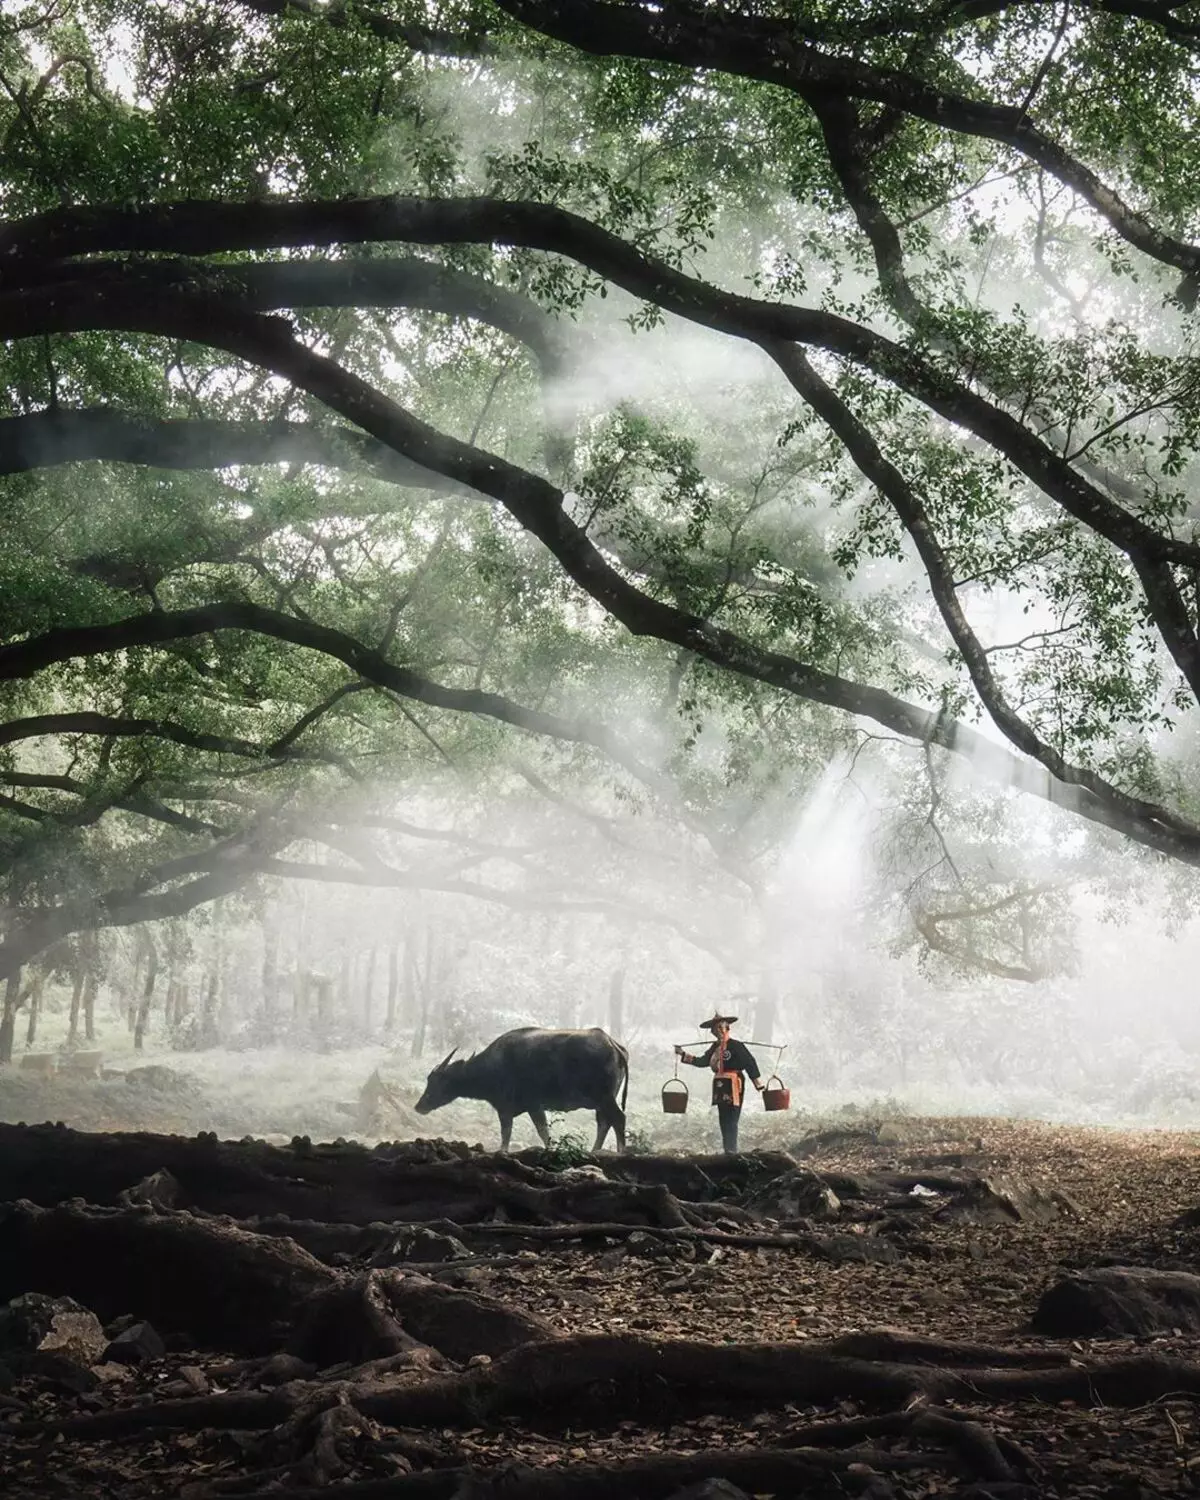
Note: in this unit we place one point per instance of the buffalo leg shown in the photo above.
(610, 1116)
(506, 1125)
(538, 1120)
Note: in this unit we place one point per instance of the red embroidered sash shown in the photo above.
(727, 1086)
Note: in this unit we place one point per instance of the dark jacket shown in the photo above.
(738, 1058)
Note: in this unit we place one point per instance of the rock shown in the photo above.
(109, 1374)
(281, 1368)
(35, 1327)
(135, 1346)
(649, 1246)
(1007, 1200)
(161, 1080)
(67, 1374)
(421, 1246)
(160, 1190)
(1118, 1301)
(897, 1133)
(820, 1142)
(190, 1381)
(841, 1248)
(799, 1194)
(711, 1489)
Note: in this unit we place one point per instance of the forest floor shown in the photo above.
(620, 1329)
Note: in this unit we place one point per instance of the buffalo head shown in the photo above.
(439, 1086)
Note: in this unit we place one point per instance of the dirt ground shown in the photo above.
(954, 1282)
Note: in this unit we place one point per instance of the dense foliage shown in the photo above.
(652, 406)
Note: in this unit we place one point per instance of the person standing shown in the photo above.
(730, 1061)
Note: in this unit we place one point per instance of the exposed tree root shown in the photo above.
(415, 1313)
(808, 1471)
(355, 1322)
(601, 1379)
(984, 1454)
(826, 1247)
(224, 1287)
(327, 1439)
(897, 1347)
(339, 1184)
(215, 1283)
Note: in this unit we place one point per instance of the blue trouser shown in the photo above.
(729, 1115)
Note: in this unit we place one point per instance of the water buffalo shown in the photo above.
(530, 1071)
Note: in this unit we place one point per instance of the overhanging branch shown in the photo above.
(104, 298)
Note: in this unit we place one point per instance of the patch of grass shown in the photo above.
(566, 1150)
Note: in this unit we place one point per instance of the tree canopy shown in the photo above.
(651, 406)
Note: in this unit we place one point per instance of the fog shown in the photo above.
(274, 1012)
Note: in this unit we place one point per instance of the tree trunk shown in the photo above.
(131, 996)
(568, 998)
(35, 1008)
(212, 997)
(91, 981)
(270, 971)
(78, 979)
(150, 954)
(369, 990)
(393, 988)
(765, 1011)
(345, 970)
(426, 986)
(324, 984)
(90, 985)
(8, 1019)
(412, 999)
(300, 995)
(616, 1003)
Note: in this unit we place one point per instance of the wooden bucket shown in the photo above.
(673, 1101)
(777, 1097)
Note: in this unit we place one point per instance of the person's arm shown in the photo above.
(695, 1060)
(750, 1064)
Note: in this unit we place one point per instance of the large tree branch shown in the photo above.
(418, 38)
(850, 155)
(113, 726)
(897, 21)
(910, 509)
(25, 658)
(538, 506)
(770, 50)
(399, 282)
(43, 439)
(90, 808)
(108, 299)
(942, 18)
(376, 281)
(119, 907)
(379, 876)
